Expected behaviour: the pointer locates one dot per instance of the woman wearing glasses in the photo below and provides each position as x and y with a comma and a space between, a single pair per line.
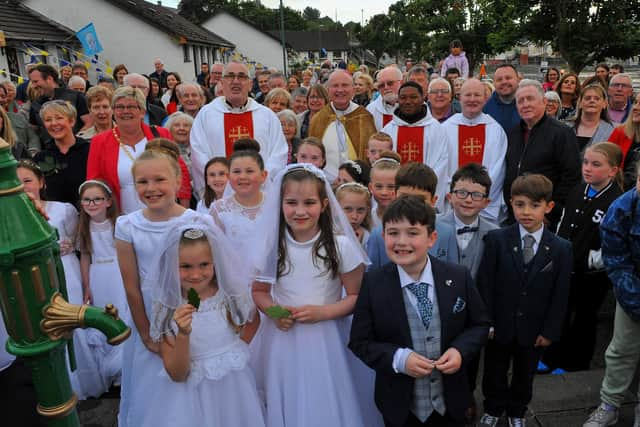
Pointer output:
63, 158
317, 97
113, 151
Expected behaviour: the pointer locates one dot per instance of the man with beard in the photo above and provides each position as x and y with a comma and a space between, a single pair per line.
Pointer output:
502, 104
388, 80
44, 79
343, 126
418, 137
231, 117
475, 137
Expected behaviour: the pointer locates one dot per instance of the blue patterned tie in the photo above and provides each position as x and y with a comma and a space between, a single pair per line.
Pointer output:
425, 305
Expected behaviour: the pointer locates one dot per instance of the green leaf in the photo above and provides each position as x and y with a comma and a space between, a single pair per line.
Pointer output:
277, 312
193, 298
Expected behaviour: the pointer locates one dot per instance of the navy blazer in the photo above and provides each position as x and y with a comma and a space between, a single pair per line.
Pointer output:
380, 327
523, 306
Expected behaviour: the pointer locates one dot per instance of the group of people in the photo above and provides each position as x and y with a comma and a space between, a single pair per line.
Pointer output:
295, 253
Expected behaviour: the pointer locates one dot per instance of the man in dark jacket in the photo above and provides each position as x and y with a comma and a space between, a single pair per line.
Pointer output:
502, 104
541, 144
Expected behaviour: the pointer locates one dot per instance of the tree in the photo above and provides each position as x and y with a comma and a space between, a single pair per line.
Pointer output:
198, 11
376, 35
311, 14
586, 31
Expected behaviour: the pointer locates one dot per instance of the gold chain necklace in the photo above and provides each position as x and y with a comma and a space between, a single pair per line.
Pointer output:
123, 146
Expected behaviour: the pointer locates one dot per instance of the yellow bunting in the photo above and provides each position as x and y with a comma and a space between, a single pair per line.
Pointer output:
107, 63
44, 53
109, 70
20, 80
87, 64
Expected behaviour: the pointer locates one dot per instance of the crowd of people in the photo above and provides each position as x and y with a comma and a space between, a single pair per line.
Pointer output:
353, 241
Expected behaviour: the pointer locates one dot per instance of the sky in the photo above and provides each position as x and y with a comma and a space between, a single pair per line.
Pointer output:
353, 11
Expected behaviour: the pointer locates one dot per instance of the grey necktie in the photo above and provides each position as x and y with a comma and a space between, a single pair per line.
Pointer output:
528, 252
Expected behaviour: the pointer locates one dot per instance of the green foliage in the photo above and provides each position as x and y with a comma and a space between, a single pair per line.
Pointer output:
193, 298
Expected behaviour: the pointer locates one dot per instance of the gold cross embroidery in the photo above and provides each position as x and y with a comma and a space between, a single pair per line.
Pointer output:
409, 152
239, 132
471, 147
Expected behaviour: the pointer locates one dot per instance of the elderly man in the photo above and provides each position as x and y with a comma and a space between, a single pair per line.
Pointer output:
154, 116
620, 97
440, 99
418, 137
388, 80
541, 144
502, 104
78, 84
231, 117
159, 73
215, 75
299, 96
277, 80
475, 137
343, 126
191, 98
44, 79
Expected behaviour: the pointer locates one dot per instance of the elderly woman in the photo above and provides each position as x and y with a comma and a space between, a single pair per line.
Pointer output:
553, 103
363, 84
592, 123
99, 102
113, 151
568, 88
179, 124
63, 158
277, 100
289, 122
119, 71
317, 98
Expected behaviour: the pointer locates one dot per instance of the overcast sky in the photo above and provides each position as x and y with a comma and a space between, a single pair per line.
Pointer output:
351, 11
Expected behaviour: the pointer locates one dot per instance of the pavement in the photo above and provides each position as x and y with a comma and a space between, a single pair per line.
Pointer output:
558, 400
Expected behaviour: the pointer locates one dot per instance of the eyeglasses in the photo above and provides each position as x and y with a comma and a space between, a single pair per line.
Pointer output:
232, 76
619, 85
316, 97
439, 91
475, 195
126, 107
85, 201
389, 83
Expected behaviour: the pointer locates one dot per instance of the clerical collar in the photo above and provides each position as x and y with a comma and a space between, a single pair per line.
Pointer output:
413, 118
472, 120
237, 109
352, 106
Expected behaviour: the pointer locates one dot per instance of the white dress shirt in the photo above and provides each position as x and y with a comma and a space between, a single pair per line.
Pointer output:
537, 235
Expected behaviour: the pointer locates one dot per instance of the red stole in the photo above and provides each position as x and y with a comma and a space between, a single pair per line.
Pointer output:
410, 144
386, 118
236, 126
471, 141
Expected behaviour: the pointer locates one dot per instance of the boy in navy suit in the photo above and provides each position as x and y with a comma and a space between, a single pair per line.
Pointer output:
416, 179
416, 322
524, 280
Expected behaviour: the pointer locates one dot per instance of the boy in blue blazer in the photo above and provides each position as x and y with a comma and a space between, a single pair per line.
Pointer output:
416, 322
416, 179
524, 280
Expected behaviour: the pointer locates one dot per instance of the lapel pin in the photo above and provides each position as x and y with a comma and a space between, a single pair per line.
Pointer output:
547, 247
448, 282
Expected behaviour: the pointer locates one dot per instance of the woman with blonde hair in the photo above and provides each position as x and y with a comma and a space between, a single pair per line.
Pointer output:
364, 86
277, 100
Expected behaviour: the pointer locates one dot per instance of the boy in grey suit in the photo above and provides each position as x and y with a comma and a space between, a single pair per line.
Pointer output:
468, 196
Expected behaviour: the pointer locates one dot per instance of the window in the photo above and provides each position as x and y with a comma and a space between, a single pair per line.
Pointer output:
185, 52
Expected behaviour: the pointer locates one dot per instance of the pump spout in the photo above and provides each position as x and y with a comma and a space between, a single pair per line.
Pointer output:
60, 319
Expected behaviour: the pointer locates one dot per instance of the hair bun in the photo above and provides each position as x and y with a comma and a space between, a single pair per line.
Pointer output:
246, 144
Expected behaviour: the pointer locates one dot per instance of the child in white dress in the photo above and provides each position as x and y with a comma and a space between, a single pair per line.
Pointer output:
86, 380
300, 356
101, 279
138, 237
355, 201
201, 300
216, 175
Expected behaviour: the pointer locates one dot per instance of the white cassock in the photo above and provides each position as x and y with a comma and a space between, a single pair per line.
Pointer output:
465, 138
381, 111
217, 125
423, 141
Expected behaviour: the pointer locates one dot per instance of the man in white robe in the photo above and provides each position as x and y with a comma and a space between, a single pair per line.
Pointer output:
388, 81
418, 137
231, 117
473, 136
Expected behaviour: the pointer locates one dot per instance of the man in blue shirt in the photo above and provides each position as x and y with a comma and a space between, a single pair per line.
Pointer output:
502, 104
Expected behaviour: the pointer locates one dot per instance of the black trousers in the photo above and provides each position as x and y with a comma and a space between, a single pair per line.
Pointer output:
575, 349
500, 395
18, 397
434, 420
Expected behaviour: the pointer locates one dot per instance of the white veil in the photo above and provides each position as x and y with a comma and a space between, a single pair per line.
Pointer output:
233, 277
265, 240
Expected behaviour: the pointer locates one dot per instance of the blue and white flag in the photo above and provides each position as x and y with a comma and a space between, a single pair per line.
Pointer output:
89, 40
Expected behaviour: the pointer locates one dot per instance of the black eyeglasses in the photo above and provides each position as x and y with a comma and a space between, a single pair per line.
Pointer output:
475, 195
232, 76
85, 201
